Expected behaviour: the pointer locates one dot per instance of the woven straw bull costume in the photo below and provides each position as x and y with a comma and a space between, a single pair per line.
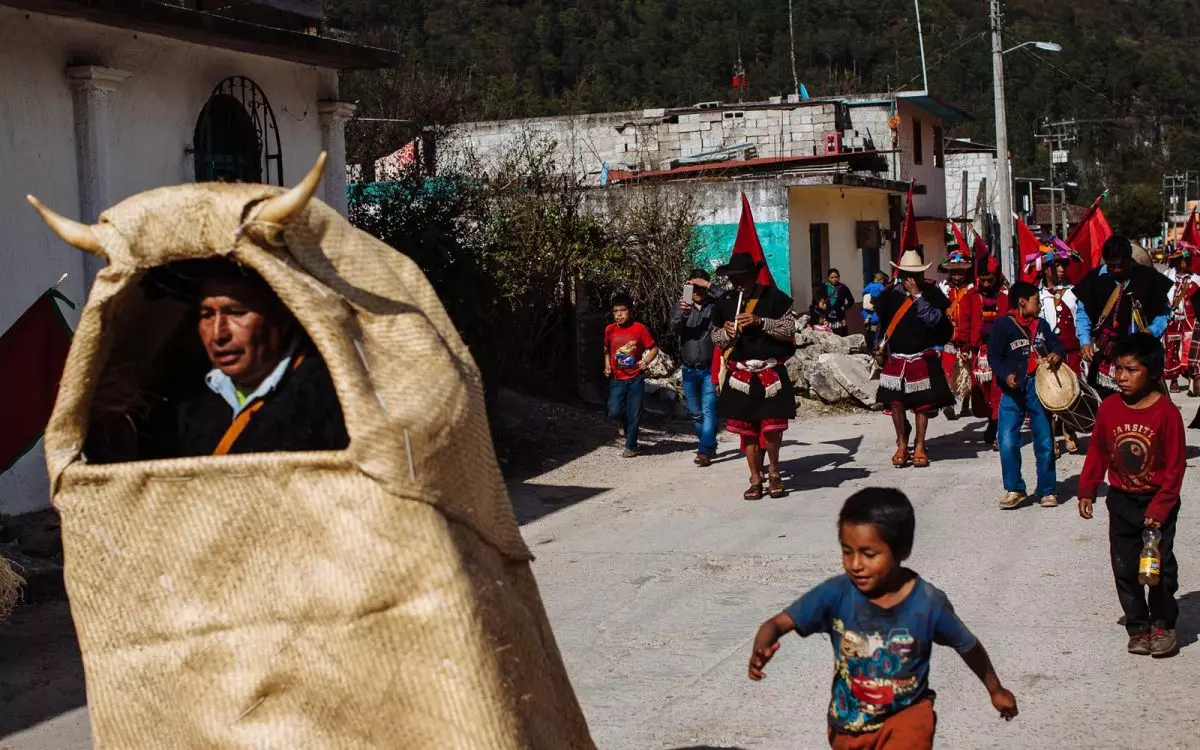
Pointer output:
376, 597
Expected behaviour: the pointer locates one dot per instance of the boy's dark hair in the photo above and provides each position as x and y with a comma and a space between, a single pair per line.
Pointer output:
622, 300
1019, 291
1117, 248
1146, 349
699, 273
889, 511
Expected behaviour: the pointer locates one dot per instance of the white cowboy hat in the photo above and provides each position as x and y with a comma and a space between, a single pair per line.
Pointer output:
911, 262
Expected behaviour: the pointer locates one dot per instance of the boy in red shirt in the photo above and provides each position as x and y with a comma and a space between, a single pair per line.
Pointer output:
628, 350
1139, 440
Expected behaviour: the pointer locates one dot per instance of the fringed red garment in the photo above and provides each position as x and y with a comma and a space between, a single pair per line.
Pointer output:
908, 373
740, 379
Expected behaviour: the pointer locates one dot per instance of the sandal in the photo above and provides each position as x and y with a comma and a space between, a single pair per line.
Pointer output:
1072, 446
775, 485
754, 493
920, 460
900, 458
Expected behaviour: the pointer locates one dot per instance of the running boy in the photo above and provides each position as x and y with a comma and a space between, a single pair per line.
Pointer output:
1018, 341
1139, 440
883, 620
628, 350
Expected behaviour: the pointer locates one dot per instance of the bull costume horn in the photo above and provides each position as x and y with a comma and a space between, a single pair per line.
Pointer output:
72, 232
279, 209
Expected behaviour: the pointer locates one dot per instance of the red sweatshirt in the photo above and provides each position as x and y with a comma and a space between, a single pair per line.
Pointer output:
1143, 450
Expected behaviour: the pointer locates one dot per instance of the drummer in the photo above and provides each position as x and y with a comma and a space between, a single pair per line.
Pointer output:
1058, 310
1020, 341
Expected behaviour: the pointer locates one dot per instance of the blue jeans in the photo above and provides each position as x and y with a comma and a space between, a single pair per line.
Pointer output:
625, 405
701, 395
1012, 414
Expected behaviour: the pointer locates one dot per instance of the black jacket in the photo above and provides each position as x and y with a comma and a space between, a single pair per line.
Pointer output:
301, 414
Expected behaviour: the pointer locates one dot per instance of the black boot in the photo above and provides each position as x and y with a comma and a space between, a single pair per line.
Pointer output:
989, 434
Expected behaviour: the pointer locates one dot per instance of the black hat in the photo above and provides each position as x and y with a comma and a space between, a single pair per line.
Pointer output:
739, 264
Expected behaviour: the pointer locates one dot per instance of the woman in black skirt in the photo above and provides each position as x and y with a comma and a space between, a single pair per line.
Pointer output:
757, 399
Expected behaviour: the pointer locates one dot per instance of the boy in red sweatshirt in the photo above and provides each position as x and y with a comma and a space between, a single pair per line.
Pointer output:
1139, 440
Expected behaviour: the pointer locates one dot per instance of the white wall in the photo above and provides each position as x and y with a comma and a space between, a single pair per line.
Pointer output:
153, 116
933, 202
840, 210
978, 165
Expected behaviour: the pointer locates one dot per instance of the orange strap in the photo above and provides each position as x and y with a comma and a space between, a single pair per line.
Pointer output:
243, 419
900, 313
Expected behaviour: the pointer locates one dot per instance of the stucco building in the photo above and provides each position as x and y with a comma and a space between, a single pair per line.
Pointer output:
101, 100
826, 177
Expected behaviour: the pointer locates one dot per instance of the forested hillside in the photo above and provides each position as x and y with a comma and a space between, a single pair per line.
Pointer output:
1129, 69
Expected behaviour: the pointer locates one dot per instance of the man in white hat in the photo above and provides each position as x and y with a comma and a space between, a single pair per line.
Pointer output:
912, 314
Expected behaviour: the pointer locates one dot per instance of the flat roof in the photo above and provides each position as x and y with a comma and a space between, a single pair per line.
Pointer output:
212, 30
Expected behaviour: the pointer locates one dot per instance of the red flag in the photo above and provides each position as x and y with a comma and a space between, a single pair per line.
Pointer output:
33, 352
1192, 236
959, 239
1087, 238
908, 234
1030, 250
747, 242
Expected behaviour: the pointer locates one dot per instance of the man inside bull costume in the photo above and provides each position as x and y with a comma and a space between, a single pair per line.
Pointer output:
1058, 310
1179, 342
308, 592
1118, 298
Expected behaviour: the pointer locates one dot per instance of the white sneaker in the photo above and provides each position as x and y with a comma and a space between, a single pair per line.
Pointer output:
1049, 501
1012, 500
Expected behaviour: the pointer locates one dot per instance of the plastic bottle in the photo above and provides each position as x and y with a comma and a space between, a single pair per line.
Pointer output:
1150, 563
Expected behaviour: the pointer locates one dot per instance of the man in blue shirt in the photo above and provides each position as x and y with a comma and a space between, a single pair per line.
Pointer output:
1116, 299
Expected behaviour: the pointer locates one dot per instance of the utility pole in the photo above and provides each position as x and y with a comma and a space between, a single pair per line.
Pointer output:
1056, 136
1003, 178
921, 43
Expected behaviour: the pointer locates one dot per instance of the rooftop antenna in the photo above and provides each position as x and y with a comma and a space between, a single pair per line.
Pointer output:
921, 42
792, 36
739, 75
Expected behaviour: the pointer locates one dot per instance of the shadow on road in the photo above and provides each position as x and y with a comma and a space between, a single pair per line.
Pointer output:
41, 672
824, 470
707, 747
533, 501
1187, 629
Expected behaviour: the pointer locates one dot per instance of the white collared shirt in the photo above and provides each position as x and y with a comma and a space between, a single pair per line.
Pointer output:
223, 385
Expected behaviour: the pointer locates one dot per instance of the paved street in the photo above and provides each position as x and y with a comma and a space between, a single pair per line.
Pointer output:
656, 575
657, 578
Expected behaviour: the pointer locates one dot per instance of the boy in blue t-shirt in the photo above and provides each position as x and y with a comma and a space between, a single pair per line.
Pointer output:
882, 620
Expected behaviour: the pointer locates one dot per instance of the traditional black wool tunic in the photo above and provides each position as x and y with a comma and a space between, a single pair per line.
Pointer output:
301, 414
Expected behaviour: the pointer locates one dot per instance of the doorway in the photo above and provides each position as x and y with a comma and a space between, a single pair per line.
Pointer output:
818, 253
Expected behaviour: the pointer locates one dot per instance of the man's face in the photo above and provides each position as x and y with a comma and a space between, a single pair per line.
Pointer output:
1060, 273
242, 329
744, 281
699, 291
1119, 268
958, 277
987, 281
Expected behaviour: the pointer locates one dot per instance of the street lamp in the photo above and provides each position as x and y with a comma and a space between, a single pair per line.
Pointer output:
1004, 174
1043, 46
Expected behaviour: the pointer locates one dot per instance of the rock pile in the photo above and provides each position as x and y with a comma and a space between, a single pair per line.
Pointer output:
833, 368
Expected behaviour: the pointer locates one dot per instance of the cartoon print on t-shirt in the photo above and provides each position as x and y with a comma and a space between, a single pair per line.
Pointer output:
1132, 444
627, 356
865, 683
